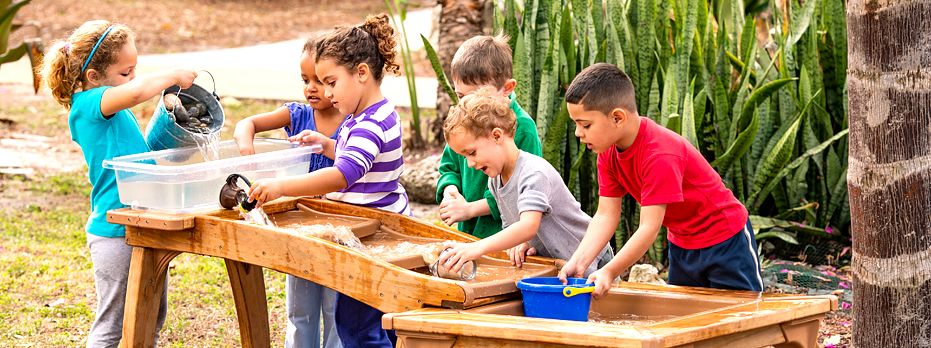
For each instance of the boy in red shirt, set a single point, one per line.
(711, 242)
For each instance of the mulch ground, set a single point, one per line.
(180, 26)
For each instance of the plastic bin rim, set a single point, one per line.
(128, 161)
(533, 285)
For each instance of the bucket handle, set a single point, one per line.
(214, 81)
(570, 291)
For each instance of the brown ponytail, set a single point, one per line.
(372, 43)
(61, 68)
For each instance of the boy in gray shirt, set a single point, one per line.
(539, 213)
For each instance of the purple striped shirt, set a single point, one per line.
(368, 154)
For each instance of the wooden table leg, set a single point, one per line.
(248, 285)
(143, 295)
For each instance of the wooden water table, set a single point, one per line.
(631, 315)
(393, 283)
(427, 311)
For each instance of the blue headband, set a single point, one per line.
(91, 56)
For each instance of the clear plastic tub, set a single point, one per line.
(180, 181)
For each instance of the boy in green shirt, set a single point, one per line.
(482, 61)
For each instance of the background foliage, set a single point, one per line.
(757, 87)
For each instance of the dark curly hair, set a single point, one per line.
(372, 43)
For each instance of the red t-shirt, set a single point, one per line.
(661, 167)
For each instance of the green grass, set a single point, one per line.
(47, 294)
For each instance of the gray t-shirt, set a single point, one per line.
(536, 186)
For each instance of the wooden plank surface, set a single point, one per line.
(742, 322)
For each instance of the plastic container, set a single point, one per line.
(544, 298)
(180, 181)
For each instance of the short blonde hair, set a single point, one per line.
(61, 68)
(479, 113)
(483, 60)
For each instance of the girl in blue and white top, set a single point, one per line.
(92, 73)
(367, 153)
(304, 299)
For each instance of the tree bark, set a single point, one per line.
(459, 21)
(889, 174)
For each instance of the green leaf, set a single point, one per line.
(523, 70)
(645, 38)
(777, 158)
(757, 198)
(758, 96)
(761, 223)
(670, 101)
(549, 78)
(510, 22)
(438, 70)
(6, 21)
(800, 20)
(615, 52)
(784, 236)
(688, 119)
(555, 138)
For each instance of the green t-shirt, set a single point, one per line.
(473, 184)
(103, 138)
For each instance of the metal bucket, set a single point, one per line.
(164, 131)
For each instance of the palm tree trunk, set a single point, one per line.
(889, 175)
(459, 21)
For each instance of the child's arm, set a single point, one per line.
(455, 208)
(318, 182)
(519, 232)
(309, 137)
(450, 174)
(599, 232)
(143, 88)
(651, 219)
(245, 130)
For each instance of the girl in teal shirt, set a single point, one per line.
(92, 73)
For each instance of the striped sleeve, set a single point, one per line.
(364, 141)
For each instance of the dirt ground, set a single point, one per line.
(179, 26)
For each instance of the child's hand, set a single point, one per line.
(264, 190)
(450, 190)
(454, 208)
(185, 78)
(246, 150)
(603, 280)
(519, 253)
(572, 269)
(308, 137)
(460, 253)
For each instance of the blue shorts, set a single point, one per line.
(732, 264)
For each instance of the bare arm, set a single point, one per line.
(519, 232)
(143, 88)
(319, 182)
(599, 232)
(245, 130)
(651, 219)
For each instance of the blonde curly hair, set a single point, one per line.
(479, 113)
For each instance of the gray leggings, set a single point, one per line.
(111, 258)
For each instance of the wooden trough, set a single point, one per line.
(395, 284)
(631, 315)
(427, 311)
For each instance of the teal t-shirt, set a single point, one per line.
(102, 138)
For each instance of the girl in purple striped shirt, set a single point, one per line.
(367, 152)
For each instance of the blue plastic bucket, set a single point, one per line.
(544, 298)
